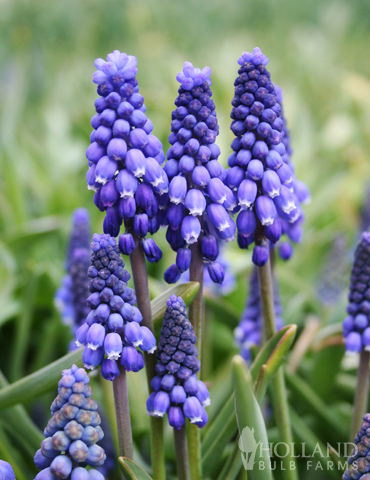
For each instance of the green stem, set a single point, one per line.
(279, 394)
(126, 448)
(361, 393)
(182, 460)
(140, 278)
(196, 318)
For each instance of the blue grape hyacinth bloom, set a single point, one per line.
(70, 298)
(6, 471)
(124, 156)
(112, 329)
(250, 329)
(197, 206)
(177, 391)
(359, 463)
(72, 433)
(356, 326)
(260, 173)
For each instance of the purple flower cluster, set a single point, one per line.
(70, 298)
(249, 331)
(124, 157)
(177, 391)
(72, 433)
(260, 172)
(112, 328)
(359, 461)
(356, 326)
(6, 471)
(198, 200)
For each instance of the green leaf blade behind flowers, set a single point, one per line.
(253, 435)
(132, 471)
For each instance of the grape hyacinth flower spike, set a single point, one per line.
(260, 173)
(356, 326)
(177, 391)
(70, 298)
(358, 462)
(250, 329)
(112, 331)
(72, 433)
(124, 157)
(197, 206)
(6, 471)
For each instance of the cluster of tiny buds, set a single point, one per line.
(359, 462)
(112, 330)
(177, 391)
(249, 331)
(124, 157)
(198, 202)
(267, 193)
(72, 433)
(356, 326)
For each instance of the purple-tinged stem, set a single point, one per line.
(126, 448)
(141, 285)
(182, 458)
(361, 394)
(196, 318)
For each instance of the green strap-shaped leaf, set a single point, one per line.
(274, 350)
(131, 470)
(253, 439)
(46, 379)
(268, 370)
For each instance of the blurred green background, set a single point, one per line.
(318, 53)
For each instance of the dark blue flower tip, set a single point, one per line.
(260, 255)
(216, 272)
(176, 385)
(285, 250)
(126, 243)
(356, 326)
(72, 433)
(172, 274)
(249, 331)
(152, 252)
(183, 259)
(112, 329)
(358, 462)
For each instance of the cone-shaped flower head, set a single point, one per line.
(198, 202)
(177, 391)
(70, 298)
(72, 433)
(6, 471)
(124, 157)
(356, 326)
(112, 330)
(260, 173)
(359, 463)
(250, 329)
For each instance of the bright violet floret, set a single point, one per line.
(177, 391)
(124, 157)
(196, 178)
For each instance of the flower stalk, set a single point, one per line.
(126, 448)
(141, 285)
(182, 458)
(196, 319)
(279, 395)
(361, 393)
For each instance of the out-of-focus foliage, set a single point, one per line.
(318, 53)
